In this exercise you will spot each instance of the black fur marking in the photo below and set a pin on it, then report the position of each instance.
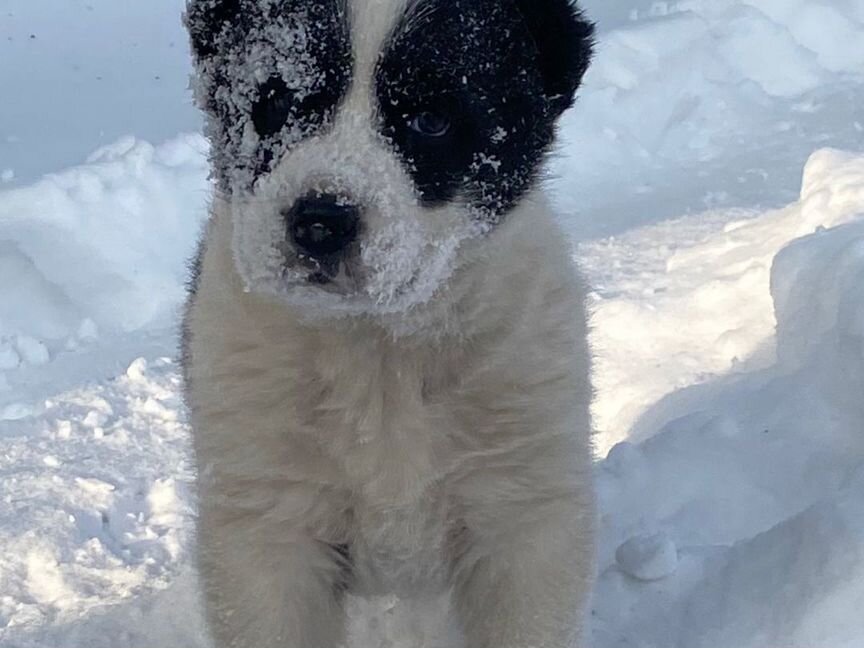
(564, 39)
(207, 20)
(194, 267)
(501, 72)
(342, 553)
(270, 73)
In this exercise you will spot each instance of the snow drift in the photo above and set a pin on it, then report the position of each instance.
(707, 275)
(102, 246)
(755, 478)
(699, 104)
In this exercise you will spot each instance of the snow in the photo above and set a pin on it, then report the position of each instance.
(83, 521)
(713, 175)
(755, 475)
(704, 104)
(714, 273)
(648, 557)
(9, 358)
(123, 222)
(32, 351)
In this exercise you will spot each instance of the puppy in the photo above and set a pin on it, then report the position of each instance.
(385, 341)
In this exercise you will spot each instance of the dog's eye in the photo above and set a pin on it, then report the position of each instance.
(430, 124)
(274, 106)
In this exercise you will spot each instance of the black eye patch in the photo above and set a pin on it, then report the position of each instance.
(452, 62)
(301, 49)
(469, 99)
(435, 136)
(278, 106)
(273, 108)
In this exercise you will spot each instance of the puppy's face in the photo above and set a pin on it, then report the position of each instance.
(360, 144)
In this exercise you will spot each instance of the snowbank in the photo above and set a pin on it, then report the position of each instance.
(818, 290)
(757, 478)
(101, 247)
(695, 104)
(700, 292)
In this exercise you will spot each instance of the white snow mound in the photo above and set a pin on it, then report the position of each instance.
(757, 477)
(102, 245)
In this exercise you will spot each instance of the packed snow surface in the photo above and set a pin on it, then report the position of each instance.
(713, 176)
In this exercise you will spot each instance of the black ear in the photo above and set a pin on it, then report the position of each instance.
(207, 20)
(565, 42)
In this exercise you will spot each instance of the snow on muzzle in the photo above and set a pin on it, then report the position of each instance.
(338, 224)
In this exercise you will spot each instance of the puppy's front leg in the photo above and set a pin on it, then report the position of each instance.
(523, 579)
(268, 588)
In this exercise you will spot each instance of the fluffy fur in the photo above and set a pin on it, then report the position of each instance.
(419, 423)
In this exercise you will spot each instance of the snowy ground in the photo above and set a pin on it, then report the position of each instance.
(713, 177)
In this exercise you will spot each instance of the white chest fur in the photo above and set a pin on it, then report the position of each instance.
(343, 432)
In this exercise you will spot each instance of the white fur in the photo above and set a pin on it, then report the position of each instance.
(372, 22)
(430, 409)
(339, 432)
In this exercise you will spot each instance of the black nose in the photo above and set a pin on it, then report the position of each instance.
(323, 225)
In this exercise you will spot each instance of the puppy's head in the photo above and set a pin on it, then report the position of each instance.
(359, 145)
